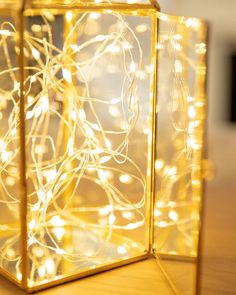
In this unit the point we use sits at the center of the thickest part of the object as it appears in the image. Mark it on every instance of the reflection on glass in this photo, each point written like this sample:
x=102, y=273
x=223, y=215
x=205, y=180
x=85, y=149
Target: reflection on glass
x=9, y=151
x=180, y=121
x=88, y=107
x=179, y=148
x=89, y=91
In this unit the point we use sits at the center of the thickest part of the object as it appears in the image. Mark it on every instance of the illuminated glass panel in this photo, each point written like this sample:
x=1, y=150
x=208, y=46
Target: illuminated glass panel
x=180, y=134
x=88, y=109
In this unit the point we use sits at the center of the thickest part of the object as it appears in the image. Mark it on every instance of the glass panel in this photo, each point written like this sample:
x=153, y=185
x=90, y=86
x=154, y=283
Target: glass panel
x=9, y=150
x=179, y=147
x=87, y=123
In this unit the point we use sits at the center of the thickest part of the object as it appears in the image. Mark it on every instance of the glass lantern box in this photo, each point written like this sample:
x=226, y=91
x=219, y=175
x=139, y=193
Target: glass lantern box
x=102, y=111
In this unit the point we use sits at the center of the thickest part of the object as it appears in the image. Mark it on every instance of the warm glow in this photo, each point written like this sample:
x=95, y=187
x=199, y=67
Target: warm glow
x=180, y=123
x=88, y=105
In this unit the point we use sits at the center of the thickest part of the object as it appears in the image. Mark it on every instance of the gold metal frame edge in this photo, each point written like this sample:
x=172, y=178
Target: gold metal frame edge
x=93, y=7
x=205, y=152
x=174, y=257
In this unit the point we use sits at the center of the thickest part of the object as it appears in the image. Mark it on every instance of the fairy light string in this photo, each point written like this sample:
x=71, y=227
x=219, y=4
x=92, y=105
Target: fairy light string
x=92, y=151
x=70, y=144
x=182, y=49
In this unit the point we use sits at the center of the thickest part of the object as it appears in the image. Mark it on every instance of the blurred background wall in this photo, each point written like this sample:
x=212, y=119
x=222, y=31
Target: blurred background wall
x=219, y=239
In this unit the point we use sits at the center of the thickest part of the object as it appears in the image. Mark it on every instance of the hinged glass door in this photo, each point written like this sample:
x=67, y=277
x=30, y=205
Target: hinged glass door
x=179, y=148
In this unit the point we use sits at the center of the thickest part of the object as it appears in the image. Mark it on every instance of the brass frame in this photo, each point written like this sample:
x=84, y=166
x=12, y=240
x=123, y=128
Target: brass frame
x=146, y=10
x=204, y=155
x=198, y=258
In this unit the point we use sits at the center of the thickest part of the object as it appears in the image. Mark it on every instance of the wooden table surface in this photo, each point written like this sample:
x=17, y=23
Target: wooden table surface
x=218, y=275
x=219, y=251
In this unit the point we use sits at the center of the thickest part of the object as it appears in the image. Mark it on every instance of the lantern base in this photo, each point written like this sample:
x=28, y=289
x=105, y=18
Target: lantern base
x=70, y=253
